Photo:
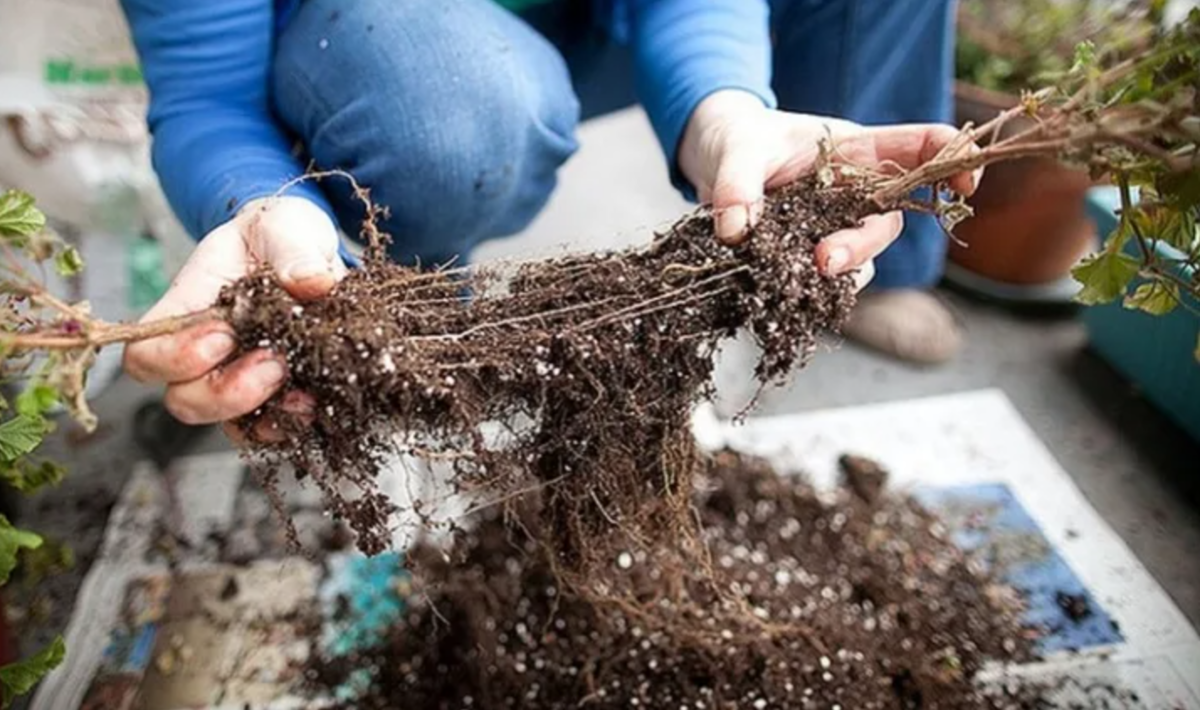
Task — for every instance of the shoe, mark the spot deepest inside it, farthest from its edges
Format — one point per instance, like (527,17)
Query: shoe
(908,324)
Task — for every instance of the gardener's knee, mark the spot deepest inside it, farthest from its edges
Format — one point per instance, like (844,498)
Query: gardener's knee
(477,162)
(457,115)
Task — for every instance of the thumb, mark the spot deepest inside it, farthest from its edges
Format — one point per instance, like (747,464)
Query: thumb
(737,193)
(299,241)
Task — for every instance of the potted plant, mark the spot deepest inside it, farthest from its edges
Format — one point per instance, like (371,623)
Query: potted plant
(1030,225)
(1145,319)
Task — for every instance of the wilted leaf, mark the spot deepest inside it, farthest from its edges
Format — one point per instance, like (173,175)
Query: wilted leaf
(28,477)
(20,677)
(11,541)
(1104,276)
(1173,226)
(52,558)
(1197,352)
(1155,297)
(68,262)
(20,435)
(952,212)
(18,216)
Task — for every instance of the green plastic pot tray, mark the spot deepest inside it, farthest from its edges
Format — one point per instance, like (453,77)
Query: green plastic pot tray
(1157,353)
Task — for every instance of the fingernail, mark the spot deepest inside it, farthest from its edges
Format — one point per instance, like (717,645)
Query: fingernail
(303,270)
(269,372)
(731,224)
(837,261)
(215,347)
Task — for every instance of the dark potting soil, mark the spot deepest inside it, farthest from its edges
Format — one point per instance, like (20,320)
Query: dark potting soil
(855,602)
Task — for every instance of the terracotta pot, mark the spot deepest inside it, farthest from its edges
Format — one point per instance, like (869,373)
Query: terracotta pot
(1030,225)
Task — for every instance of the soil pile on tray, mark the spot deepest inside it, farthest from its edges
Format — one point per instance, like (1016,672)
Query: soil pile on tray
(860,602)
(591,363)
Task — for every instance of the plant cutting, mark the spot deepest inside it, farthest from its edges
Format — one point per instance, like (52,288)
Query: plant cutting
(589,365)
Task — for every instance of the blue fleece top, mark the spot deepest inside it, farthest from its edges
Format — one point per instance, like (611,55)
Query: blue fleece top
(217,144)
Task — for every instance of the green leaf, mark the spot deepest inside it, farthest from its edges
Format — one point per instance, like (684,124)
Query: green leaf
(1104,276)
(20,435)
(1156,298)
(68,262)
(37,399)
(28,477)
(1197,352)
(20,677)
(11,541)
(18,216)
(1085,57)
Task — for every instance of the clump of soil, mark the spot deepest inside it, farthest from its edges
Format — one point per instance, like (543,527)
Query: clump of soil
(854,603)
(1074,606)
(587,365)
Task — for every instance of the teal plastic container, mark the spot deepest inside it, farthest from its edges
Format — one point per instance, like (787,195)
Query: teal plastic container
(1157,353)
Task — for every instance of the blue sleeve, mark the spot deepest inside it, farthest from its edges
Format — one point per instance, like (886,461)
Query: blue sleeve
(216,145)
(685,50)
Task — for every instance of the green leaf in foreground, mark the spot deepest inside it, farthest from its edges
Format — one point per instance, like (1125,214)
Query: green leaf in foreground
(18,216)
(29,477)
(1104,276)
(20,435)
(36,400)
(20,677)
(13,540)
(1156,298)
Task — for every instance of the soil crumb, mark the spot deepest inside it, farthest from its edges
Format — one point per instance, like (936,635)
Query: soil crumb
(863,476)
(1074,606)
(852,605)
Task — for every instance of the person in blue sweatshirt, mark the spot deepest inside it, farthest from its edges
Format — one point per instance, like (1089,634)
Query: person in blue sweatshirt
(458,113)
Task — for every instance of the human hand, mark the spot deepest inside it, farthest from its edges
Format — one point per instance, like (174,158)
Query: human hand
(300,243)
(734,148)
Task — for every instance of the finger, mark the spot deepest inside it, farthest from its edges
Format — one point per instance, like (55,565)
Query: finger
(850,249)
(265,431)
(300,244)
(297,406)
(737,193)
(269,431)
(910,146)
(182,356)
(228,392)
(218,260)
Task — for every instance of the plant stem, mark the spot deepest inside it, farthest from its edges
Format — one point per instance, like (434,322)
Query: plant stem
(1127,216)
(97,334)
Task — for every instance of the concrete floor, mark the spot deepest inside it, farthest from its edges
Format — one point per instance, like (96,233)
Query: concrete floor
(1139,471)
